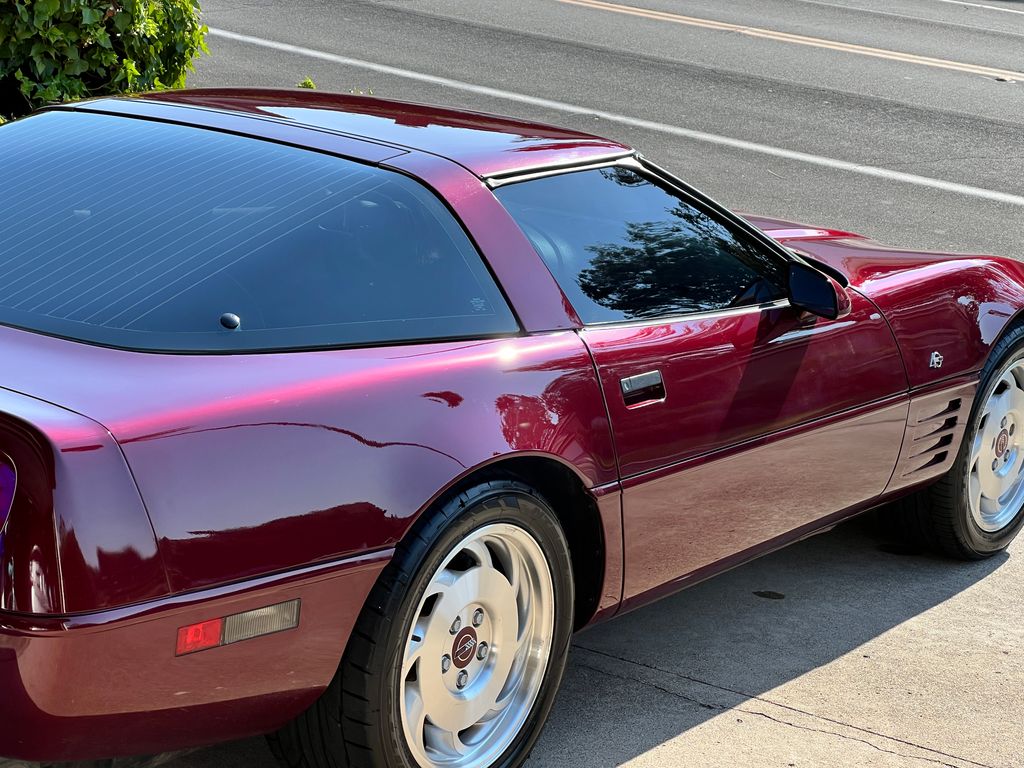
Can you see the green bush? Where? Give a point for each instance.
(57, 50)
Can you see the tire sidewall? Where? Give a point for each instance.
(504, 502)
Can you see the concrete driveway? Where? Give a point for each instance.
(873, 657)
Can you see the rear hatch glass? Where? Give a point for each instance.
(153, 236)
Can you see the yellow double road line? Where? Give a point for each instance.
(785, 37)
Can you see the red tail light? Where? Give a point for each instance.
(8, 481)
(199, 637)
(29, 576)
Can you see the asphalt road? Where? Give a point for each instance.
(900, 119)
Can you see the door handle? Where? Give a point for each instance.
(642, 388)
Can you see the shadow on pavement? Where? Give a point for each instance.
(646, 677)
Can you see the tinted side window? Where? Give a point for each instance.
(143, 234)
(623, 248)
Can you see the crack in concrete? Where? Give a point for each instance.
(871, 744)
(764, 700)
(765, 715)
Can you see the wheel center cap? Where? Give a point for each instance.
(464, 648)
(1002, 441)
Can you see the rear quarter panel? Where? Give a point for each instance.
(341, 459)
(77, 537)
(250, 464)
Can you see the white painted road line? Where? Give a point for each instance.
(981, 5)
(633, 122)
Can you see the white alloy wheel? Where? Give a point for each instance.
(995, 484)
(477, 649)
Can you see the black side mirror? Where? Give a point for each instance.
(817, 293)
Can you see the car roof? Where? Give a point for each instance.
(487, 145)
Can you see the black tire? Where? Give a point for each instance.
(939, 516)
(355, 723)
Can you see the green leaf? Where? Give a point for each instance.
(67, 49)
(44, 9)
(76, 67)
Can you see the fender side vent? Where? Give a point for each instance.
(937, 458)
(934, 445)
(935, 428)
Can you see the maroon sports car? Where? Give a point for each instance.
(334, 417)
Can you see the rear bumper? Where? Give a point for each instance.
(108, 684)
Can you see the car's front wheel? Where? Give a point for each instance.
(457, 656)
(977, 509)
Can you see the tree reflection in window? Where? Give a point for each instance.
(623, 248)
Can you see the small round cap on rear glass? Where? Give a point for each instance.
(230, 320)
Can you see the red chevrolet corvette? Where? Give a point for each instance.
(333, 417)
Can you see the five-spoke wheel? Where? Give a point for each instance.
(478, 648)
(996, 482)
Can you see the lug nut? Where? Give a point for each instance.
(481, 651)
(478, 617)
(446, 663)
(456, 625)
(463, 679)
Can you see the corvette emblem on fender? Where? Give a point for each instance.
(935, 361)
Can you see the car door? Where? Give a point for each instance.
(739, 421)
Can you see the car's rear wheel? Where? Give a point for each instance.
(977, 508)
(457, 656)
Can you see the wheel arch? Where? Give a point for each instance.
(1011, 325)
(593, 534)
